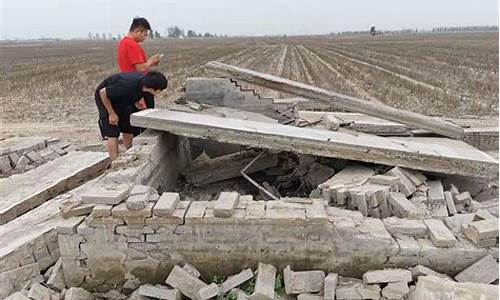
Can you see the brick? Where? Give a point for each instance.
(256, 210)
(187, 284)
(159, 292)
(101, 210)
(440, 235)
(408, 246)
(415, 228)
(110, 194)
(225, 204)
(463, 198)
(196, 211)
(406, 186)
(77, 293)
(385, 180)
(210, 291)
(56, 278)
(483, 214)
(402, 207)
(264, 283)
(455, 222)
(420, 270)
(5, 164)
(68, 226)
(330, 286)
(482, 230)
(303, 282)
(39, 292)
(165, 206)
(192, 270)
(307, 296)
(450, 204)
(395, 290)
(484, 270)
(236, 280)
(385, 276)
(17, 296)
(356, 290)
(137, 202)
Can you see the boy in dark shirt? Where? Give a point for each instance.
(120, 95)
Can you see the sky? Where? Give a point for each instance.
(26, 19)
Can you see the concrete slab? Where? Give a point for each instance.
(21, 193)
(458, 158)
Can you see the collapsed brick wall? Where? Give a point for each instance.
(114, 244)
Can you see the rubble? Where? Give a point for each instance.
(235, 280)
(264, 283)
(432, 287)
(385, 276)
(330, 286)
(484, 270)
(187, 284)
(159, 292)
(303, 282)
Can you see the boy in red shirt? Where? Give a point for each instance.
(131, 56)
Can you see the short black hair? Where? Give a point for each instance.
(155, 80)
(139, 22)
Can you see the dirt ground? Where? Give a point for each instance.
(47, 88)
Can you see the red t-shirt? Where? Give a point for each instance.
(130, 53)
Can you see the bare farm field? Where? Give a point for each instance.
(47, 88)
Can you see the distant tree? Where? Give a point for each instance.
(175, 32)
(97, 36)
(157, 35)
(90, 36)
(191, 33)
(207, 35)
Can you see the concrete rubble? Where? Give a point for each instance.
(198, 210)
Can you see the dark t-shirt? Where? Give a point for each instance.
(123, 88)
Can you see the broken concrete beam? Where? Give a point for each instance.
(165, 206)
(483, 214)
(483, 138)
(482, 230)
(395, 290)
(225, 204)
(340, 101)
(264, 283)
(420, 270)
(21, 193)
(228, 166)
(354, 289)
(385, 276)
(402, 207)
(235, 281)
(56, 278)
(484, 270)
(77, 209)
(187, 284)
(450, 205)
(210, 291)
(303, 282)
(414, 154)
(78, 293)
(20, 145)
(330, 286)
(432, 287)
(440, 235)
(103, 193)
(159, 292)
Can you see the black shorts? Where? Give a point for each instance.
(124, 126)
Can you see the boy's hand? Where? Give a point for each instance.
(141, 104)
(155, 59)
(113, 119)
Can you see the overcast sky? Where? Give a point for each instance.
(76, 18)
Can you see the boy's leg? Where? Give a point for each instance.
(112, 146)
(127, 140)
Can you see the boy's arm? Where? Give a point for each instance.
(113, 117)
(152, 61)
